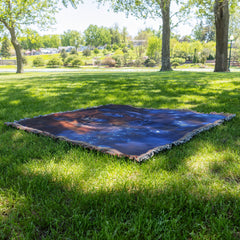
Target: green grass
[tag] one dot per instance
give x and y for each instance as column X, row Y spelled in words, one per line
column 53, row 190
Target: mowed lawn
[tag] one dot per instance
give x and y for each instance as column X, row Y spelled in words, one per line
column 53, row 190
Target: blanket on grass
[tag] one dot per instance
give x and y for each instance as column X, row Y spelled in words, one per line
column 122, row 130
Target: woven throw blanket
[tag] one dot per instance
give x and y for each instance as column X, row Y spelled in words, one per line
column 122, row 130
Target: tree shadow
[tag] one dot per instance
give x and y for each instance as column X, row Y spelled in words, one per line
column 162, row 198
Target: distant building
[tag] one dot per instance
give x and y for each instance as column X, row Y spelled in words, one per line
column 48, row 50
column 137, row 43
column 67, row 48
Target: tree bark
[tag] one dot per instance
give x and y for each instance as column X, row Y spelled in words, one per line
column 17, row 48
column 165, row 8
column 221, row 12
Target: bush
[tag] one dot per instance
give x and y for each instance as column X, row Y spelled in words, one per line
column 24, row 60
column 119, row 60
column 105, row 52
column 109, row 48
column 109, row 61
column 86, row 52
column 178, row 60
column 150, row 62
column 125, row 50
column 63, row 54
column 74, row 51
column 97, row 62
column 96, row 50
column 68, row 60
column 38, row 62
column 76, row 62
column 54, row 62
column 138, row 62
column 115, row 46
column 175, row 64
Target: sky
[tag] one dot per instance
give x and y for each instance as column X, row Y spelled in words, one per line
column 88, row 13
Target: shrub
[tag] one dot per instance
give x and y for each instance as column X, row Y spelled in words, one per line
column 138, row 62
column 175, row 64
column 38, row 62
column 63, row 54
column 24, row 60
column 76, row 62
column 109, row 48
column 68, row 60
column 119, row 60
column 109, row 61
column 54, row 62
column 86, row 52
column 178, row 60
column 150, row 62
column 105, row 52
column 97, row 62
column 125, row 50
column 96, row 50
column 115, row 46
column 74, row 51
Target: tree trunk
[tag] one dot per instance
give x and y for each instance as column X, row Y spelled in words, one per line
column 165, row 8
column 221, row 12
column 17, row 48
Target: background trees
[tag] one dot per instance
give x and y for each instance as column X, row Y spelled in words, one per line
column 15, row 15
column 72, row 38
column 5, row 49
column 220, row 11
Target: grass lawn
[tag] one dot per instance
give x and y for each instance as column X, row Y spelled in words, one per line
column 53, row 190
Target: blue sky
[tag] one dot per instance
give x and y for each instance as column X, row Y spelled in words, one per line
column 89, row 13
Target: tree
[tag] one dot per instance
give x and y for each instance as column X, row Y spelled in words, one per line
column 144, row 9
column 205, row 32
column 31, row 41
column 115, row 35
column 221, row 10
column 97, row 36
column 72, row 38
column 154, row 48
column 5, row 49
column 15, row 15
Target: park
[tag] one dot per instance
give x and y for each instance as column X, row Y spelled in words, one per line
column 54, row 189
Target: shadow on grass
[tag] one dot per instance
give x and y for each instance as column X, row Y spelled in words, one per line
column 109, row 198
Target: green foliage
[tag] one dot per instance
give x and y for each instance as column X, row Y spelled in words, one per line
column 31, row 40
column 77, row 62
column 125, row 50
column 96, row 50
column 119, row 60
column 109, row 62
column 154, row 48
column 24, row 60
column 86, row 52
column 5, row 49
column 97, row 36
column 178, row 60
column 138, row 62
column 115, row 47
column 71, row 38
column 150, row 62
column 73, row 61
column 38, row 62
column 68, row 60
column 175, row 64
column 74, row 51
column 54, row 62
column 109, row 47
column 63, row 54
column 51, row 41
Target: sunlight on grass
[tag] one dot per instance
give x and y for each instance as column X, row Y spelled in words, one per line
column 53, row 190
